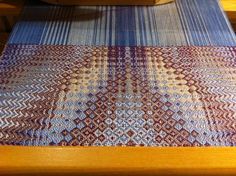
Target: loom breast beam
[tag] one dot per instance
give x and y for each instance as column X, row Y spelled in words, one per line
column 108, row 2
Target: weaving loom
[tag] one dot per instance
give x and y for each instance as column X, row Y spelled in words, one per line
column 143, row 76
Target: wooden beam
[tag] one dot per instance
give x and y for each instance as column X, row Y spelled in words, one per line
column 108, row 2
column 11, row 7
column 118, row 160
column 229, row 7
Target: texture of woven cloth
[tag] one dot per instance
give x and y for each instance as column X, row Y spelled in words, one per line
column 112, row 96
column 120, row 76
column 184, row 22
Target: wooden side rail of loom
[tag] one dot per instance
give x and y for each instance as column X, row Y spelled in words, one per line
column 11, row 7
column 230, row 9
column 108, row 2
column 117, row 161
column 9, row 11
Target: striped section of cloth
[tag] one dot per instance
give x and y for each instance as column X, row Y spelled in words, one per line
column 185, row 22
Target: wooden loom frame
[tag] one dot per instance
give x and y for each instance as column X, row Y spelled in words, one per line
column 108, row 2
column 111, row 161
column 18, row 160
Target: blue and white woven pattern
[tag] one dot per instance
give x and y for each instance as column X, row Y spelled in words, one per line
column 185, row 22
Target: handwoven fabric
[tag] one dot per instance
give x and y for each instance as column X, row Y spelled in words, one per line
column 118, row 96
column 184, row 22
